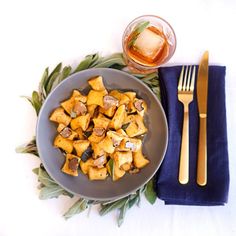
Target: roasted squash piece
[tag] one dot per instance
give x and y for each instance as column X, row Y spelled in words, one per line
column 63, row 143
column 122, row 157
column 121, row 132
column 91, row 109
column 66, row 132
column 139, row 160
column 80, row 121
column 96, row 97
column 96, row 83
column 108, row 112
column 115, row 137
column 84, row 166
column 95, row 173
column 81, row 98
column 130, row 144
column 69, row 104
column 118, row 118
column 131, row 95
column 97, row 150
column 101, row 122
column 71, row 165
column 123, row 99
column 136, row 127
column 81, row 146
column 80, row 133
column 60, row 117
column 93, row 138
column 126, row 167
column 107, row 145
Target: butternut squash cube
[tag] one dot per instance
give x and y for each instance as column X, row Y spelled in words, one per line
column 81, row 146
column 60, row 117
column 63, row 143
column 80, row 121
column 118, row 118
column 96, row 83
column 84, row 166
column 139, row 160
column 95, row 173
column 71, row 164
column 96, row 97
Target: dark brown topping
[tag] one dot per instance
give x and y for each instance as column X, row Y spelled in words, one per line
column 80, row 108
column 138, row 104
column 110, row 101
column 73, row 164
column 100, row 161
column 99, row 131
column 66, row 132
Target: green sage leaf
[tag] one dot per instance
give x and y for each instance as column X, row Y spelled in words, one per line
column 112, row 206
column 36, row 170
column 44, row 178
column 36, row 101
column 30, row 148
column 43, row 81
column 149, row 193
column 109, row 61
column 76, row 208
column 123, row 211
column 137, row 30
column 53, row 191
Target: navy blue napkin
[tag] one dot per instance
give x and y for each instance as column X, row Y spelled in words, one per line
column 167, row 185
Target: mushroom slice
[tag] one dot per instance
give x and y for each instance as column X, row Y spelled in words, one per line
column 110, row 101
column 73, row 164
column 100, row 161
column 80, row 108
column 66, row 132
column 99, row 131
column 138, row 104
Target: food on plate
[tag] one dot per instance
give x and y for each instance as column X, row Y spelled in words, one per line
column 101, row 133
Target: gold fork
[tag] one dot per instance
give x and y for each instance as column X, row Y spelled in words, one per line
column 185, row 95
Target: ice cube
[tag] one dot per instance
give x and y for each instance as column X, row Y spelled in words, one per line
column 149, row 44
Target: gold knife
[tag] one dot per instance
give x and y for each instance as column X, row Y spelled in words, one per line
column 202, row 93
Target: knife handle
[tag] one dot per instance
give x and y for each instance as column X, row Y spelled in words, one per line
column 202, row 152
column 184, row 153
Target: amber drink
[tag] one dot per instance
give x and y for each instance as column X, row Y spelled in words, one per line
column 148, row 42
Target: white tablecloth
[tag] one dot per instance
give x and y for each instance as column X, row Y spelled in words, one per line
column 36, row 34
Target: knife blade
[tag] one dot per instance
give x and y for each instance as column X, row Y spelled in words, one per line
column 202, row 94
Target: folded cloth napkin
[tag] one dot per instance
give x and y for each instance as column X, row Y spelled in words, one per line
column 167, row 186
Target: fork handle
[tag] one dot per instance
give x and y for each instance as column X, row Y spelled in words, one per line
column 184, row 153
column 202, row 152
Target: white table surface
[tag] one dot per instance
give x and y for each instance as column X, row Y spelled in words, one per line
column 36, row 34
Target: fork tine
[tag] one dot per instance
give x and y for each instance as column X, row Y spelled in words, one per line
column 189, row 78
column 193, row 79
column 185, row 79
column 181, row 79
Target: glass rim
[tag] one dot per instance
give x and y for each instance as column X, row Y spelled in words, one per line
column 138, row 64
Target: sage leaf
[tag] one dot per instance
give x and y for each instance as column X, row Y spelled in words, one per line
column 125, row 126
column 111, row 167
column 87, row 62
column 149, row 193
column 134, row 201
column 123, row 211
column 36, row 102
column 44, row 178
column 49, row 81
column 114, row 59
column 36, row 170
column 76, row 208
column 48, row 192
column 114, row 205
column 137, row 30
column 43, row 80
column 29, row 148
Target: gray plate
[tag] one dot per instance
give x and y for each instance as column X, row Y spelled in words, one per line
column 155, row 142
